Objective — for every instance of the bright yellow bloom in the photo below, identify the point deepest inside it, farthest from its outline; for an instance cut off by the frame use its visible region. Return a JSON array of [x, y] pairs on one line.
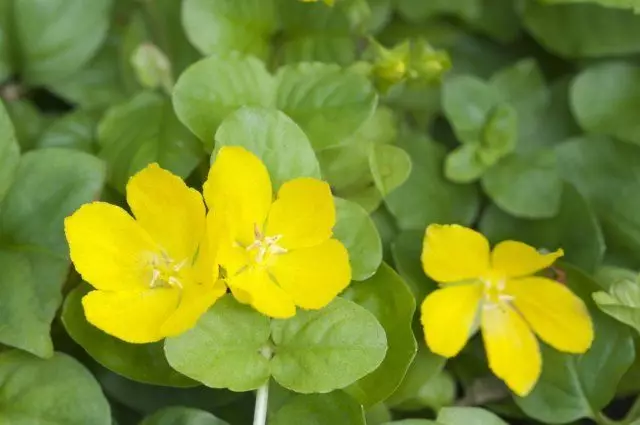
[[497, 291], [154, 275], [276, 254]]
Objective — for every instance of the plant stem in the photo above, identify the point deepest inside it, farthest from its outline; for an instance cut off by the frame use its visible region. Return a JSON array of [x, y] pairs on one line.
[[602, 419], [634, 411], [262, 400]]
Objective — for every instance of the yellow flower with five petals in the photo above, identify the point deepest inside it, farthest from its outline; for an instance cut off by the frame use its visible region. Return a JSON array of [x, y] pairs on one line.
[[154, 275], [498, 290], [276, 254]]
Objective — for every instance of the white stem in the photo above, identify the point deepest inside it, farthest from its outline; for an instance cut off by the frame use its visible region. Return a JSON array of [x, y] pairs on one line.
[[262, 401]]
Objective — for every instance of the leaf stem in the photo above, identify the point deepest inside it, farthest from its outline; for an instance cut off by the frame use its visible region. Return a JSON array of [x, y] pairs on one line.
[[602, 419], [634, 412], [262, 401]]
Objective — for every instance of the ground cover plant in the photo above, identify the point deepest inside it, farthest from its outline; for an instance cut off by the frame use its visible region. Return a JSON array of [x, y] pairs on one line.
[[340, 212]]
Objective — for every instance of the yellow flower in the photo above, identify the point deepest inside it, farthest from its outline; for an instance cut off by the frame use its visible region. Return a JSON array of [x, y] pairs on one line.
[[497, 290], [276, 254], [154, 275]]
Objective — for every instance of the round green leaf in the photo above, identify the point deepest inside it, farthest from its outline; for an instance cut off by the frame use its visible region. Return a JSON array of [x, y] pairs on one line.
[[274, 138], [427, 196], [467, 416], [320, 409], [463, 164], [355, 229], [320, 47], [621, 301], [575, 229], [223, 349], [58, 391], [525, 186], [182, 416], [9, 151], [389, 299], [212, 88], [139, 362], [573, 387], [74, 131], [406, 251], [604, 98], [390, 167], [142, 131], [412, 422], [225, 26], [58, 37], [583, 30], [49, 185], [28, 122], [328, 102], [327, 349], [499, 135]]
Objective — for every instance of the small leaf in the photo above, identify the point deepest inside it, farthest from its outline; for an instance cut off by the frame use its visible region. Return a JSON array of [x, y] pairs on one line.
[[152, 67], [58, 391], [225, 26], [139, 362], [390, 166], [621, 301], [214, 87], [525, 186], [499, 135], [75, 130], [355, 229], [603, 98], [328, 349], [389, 299], [274, 138], [9, 152], [427, 196], [182, 416], [223, 350], [142, 131], [319, 409], [328, 102], [467, 416], [463, 164]]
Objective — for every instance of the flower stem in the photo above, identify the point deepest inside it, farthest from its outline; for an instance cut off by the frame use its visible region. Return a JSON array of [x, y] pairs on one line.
[[262, 400]]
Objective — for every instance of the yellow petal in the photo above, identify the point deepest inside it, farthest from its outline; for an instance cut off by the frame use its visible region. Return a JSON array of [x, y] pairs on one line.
[[195, 300], [239, 187], [313, 276], [512, 349], [448, 315], [132, 316], [304, 213], [517, 259], [453, 253], [558, 316], [108, 248], [262, 293], [229, 254], [172, 213]]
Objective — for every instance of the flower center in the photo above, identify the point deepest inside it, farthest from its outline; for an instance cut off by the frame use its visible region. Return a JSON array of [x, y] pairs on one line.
[[165, 272], [494, 286], [264, 247]]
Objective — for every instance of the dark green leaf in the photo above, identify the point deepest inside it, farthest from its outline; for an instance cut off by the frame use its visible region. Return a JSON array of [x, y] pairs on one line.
[[406, 250], [390, 167], [182, 416], [74, 131], [9, 152], [320, 409], [467, 416]]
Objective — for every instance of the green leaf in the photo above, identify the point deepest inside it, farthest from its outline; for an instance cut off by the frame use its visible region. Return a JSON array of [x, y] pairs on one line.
[[464, 165], [58, 391], [223, 350], [525, 186], [9, 152], [225, 26], [274, 138], [406, 251], [427, 196], [603, 98], [355, 229], [49, 185], [212, 88], [142, 131], [28, 122], [622, 4], [583, 30], [182, 416], [320, 409], [575, 229], [467, 102], [412, 422], [389, 299], [75, 130], [467, 416], [416, 11], [139, 362], [321, 47], [327, 349], [58, 37], [426, 384], [573, 387], [6, 60], [390, 166], [622, 298], [605, 172], [328, 102]]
